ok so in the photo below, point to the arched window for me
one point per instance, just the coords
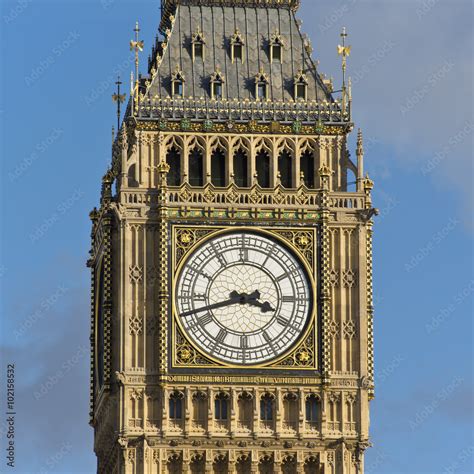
(301, 86)
(196, 167)
(218, 168)
(245, 410)
(243, 464)
(261, 86)
(173, 159)
(200, 409)
(176, 406)
(276, 48)
(217, 85)
(266, 407)
(198, 45)
(262, 166)
(307, 168)
(132, 180)
(285, 167)
(265, 466)
(312, 409)
(241, 168)
(290, 411)
(221, 407)
(177, 83)
(237, 47)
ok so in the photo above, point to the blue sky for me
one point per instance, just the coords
(412, 69)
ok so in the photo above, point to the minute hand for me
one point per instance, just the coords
(223, 304)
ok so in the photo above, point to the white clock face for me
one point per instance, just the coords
(243, 298)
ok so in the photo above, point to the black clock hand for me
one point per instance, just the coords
(265, 307)
(234, 299)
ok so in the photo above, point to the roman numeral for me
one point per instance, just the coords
(244, 342)
(199, 297)
(288, 299)
(244, 255)
(282, 277)
(221, 336)
(282, 321)
(205, 320)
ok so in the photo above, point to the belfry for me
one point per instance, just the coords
(231, 259)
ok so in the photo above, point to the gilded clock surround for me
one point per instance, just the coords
(186, 239)
(145, 227)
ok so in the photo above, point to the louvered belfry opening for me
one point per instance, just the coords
(173, 159)
(285, 168)
(262, 166)
(218, 168)
(196, 168)
(241, 168)
(307, 168)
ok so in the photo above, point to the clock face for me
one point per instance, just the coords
(243, 298)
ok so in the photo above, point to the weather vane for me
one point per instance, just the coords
(137, 46)
(345, 52)
(119, 99)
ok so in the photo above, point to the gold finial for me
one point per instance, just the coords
(137, 46)
(119, 99)
(345, 52)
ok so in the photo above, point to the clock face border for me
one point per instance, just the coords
(206, 233)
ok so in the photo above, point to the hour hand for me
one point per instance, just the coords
(265, 307)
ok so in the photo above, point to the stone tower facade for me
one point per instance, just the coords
(231, 258)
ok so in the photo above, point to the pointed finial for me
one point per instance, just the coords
(137, 46)
(119, 99)
(345, 52)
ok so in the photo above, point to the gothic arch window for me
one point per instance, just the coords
(177, 83)
(312, 409)
(290, 411)
(173, 159)
(196, 167)
(218, 168)
(131, 178)
(220, 465)
(261, 86)
(197, 464)
(307, 167)
(262, 166)
(267, 407)
(245, 410)
(174, 464)
(276, 48)
(176, 406)
(221, 407)
(241, 168)
(237, 47)
(311, 465)
(301, 86)
(200, 409)
(198, 45)
(265, 466)
(288, 464)
(285, 168)
(217, 85)
(243, 464)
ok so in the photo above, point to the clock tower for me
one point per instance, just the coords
(231, 258)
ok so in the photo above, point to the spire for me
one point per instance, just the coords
(137, 46)
(345, 52)
(360, 160)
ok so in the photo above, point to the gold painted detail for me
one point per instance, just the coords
(304, 356)
(303, 240)
(252, 126)
(187, 237)
(186, 355)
